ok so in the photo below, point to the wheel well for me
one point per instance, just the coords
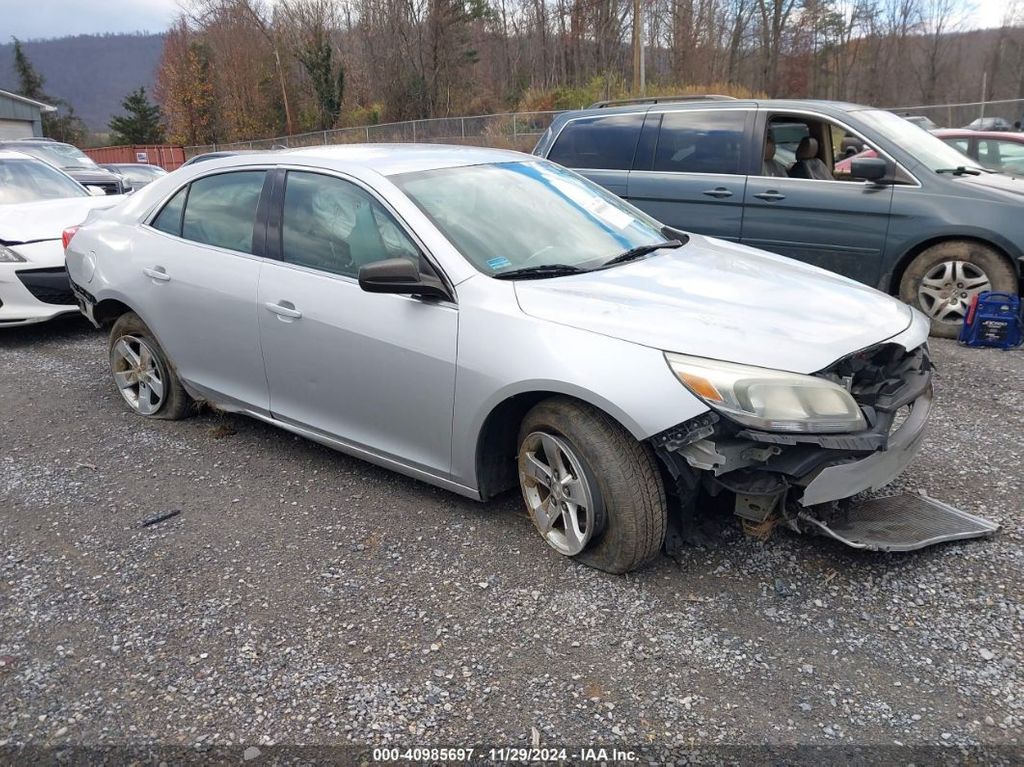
(914, 252)
(496, 446)
(108, 310)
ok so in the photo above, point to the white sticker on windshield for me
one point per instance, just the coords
(610, 214)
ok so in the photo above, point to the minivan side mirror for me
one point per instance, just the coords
(869, 168)
(400, 275)
(96, 191)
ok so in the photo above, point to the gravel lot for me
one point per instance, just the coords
(304, 597)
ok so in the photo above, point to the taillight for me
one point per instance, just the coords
(66, 236)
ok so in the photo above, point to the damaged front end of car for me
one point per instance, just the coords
(811, 480)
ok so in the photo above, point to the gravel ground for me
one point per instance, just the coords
(304, 597)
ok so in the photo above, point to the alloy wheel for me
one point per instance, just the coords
(557, 493)
(947, 288)
(138, 374)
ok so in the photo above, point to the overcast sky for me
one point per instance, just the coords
(29, 19)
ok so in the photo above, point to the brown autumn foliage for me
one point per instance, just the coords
(244, 69)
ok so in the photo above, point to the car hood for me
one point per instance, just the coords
(715, 299)
(47, 219)
(998, 186)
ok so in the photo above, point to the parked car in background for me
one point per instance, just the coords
(995, 150)
(479, 318)
(136, 174)
(37, 202)
(990, 124)
(71, 160)
(925, 123)
(917, 219)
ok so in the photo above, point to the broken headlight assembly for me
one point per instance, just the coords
(772, 400)
(8, 256)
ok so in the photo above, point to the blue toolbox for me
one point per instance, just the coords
(993, 319)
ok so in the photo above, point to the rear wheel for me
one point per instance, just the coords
(143, 374)
(592, 491)
(942, 280)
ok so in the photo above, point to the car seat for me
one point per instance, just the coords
(808, 164)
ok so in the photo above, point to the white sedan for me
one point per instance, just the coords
(37, 202)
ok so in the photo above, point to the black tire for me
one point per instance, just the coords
(623, 477)
(995, 266)
(176, 403)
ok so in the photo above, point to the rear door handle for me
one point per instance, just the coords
(284, 309)
(157, 273)
(718, 192)
(771, 196)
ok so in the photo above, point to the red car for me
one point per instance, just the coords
(997, 150)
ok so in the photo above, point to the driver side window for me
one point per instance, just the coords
(798, 146)
(334, 226)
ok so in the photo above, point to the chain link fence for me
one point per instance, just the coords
(520, 130)
(512, 130)
(1009, 111)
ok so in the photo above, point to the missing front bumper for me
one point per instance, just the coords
(900, 523)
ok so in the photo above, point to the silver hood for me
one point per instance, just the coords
(715, 299)
(47, 219)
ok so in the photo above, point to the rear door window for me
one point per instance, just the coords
(221, 209)
(169, 219)
(709, 141)
(600, 143)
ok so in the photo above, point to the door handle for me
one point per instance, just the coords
(771, 196)
(157, 273)
(718, 192)
(284, 309)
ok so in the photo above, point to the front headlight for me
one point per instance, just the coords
(772, 400)
(8, 256)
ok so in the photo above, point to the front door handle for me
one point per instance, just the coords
(157, 273)
(284, 309)
(718, 192)
(771, 196)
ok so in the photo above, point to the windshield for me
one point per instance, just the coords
(515, 215)
(30, 180)
(61, 155)
(926, 148)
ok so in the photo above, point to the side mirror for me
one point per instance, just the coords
(869, 168)
(96, 191)
(400, 275)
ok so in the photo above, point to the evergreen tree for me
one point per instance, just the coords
(64, 127)
(142, 123)
(30, 82)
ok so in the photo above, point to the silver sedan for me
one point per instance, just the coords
(482, 320)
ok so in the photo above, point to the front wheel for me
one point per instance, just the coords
(144, 375)
(942, 280)
(592, 491)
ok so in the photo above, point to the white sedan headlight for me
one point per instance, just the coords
(8, 256)
(772, 400)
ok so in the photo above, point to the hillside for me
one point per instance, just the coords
(91, 72)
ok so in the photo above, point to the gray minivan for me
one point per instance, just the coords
(906, 214)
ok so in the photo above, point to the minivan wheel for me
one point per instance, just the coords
(142, 372)
(592, 491)
(942, 280)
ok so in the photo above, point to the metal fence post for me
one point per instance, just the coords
(414, 131)
(515, 128)
(463, 121)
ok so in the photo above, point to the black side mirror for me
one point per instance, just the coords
(400, 275)
(869, 168)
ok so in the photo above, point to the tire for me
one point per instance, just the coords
(144, 376)
(622, 484)
(941, 281)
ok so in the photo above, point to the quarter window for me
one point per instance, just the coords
(169, 219)
(605, 143)
(221, 210)
(335, 226)
(709, 141)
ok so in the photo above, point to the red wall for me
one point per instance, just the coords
(166, 156)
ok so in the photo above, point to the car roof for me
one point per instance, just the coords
(683, 106)
(966, 133)
(13, 154)
(384, 159)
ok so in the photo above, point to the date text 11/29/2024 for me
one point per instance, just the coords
(503, 754)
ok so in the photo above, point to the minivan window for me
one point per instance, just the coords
(221, 209)
(705, 141)
(605, 143)
(333, 225)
